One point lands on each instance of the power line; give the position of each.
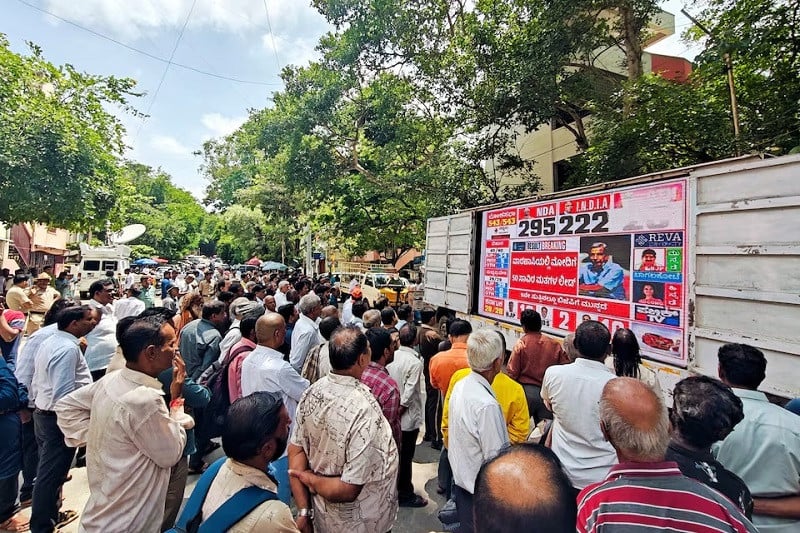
(271, 35)
(145, 53)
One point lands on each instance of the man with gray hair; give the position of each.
(643, 492)
(306, 331)
(477, 427)
(280, 294)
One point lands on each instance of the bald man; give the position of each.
(265, 370)
(634, 420)
(329, 311)
(523, 485)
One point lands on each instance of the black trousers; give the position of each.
(30, 460)
(433, 414)
(8, 497)
(464, 509)
(408, 444)
(55, 458)
(536, 407)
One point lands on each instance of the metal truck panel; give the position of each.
(449, 261)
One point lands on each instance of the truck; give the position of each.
(96, 261)
(376, 281)
(689, 259)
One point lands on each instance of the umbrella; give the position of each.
(255, 261)
(273, 265)
(145, 262)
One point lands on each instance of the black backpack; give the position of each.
(215, 378)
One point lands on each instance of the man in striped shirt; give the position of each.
(643, 492)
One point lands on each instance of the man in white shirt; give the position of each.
(130, 304)
(572, 393)
(132, 439)
(101, 342)
(129, 279)
(477, 428)
(306, 331)
(59, 368)
(406, 370)
(265, 370)
(280, 294)
(347, 306)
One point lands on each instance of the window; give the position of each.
(109, 265)
(91, 265)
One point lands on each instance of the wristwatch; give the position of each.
(309, 513)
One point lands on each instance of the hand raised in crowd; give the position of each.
(178, 376)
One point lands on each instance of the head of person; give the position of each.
(359, 308)
(569, 347)
(349, 351)
(328, 325)
(371, 318)
(388, 317)
(329, 311)
(381, 303)
(380, 345)
(134, 291)
(356, 294)
(78, 320)
(598, 254)
(193, 304)
(173, 291)
(485, 353)
(248, 328)
(524, 485)
(21, 280)
(634, 420)
(269, 303)
(459, 331)
(408, 335)
(544, 312)
(428, 316)
(127, 271)
(256, 445)
(62, 275)
(592, 339)
(271, 330)
(214, 311)
(704, 411)
(208, 275)
(742, 366)
(149, 343)
(42, 281)
(625, 348)
(310, 305)
(647, 290)
(284, 286)
(237, 307)
(531, 321)
(146, 282)
(51, 316)
(102, 291)
(648, 257)
(404, 312)
(288, 312)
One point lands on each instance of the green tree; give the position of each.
(58, 143)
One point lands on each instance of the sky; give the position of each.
(235, 51)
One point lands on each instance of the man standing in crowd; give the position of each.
(129, 279)
(280, 294)
(250, 449)
(445, 364)
(239, 352)
(59, 369)
(428, 340)
(764, 449)
(130, 304)
(148, 292)
(264, 370)
(572, 393)
(132, 439)
(342, 451)
(318, 362)
(101, 342)
(42, 296)
(642, 492)
(477, 427)
(524, 485)
(533, 354)
(206, 287)
(17, 295)
(403, 316)
(306, 332)
(170, 301)
(377, 378)
(406, 370)
(705, 411)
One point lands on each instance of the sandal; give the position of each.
(16, 524)
(416, 501)
(196, 471)
(64, 518)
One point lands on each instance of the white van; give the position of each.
(96, 261)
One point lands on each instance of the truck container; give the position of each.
(688, 259)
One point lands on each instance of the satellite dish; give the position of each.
(127, 234)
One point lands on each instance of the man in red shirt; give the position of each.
(532, 355)
(644, 492)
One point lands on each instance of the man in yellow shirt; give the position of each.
(511, 397)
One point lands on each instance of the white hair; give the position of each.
(308, 302)
(644, 444)
(484, 347)
(283, 283)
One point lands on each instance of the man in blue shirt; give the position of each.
(602, 278)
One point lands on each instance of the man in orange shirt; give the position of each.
(532, 355)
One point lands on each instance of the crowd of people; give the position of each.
(319, 411)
